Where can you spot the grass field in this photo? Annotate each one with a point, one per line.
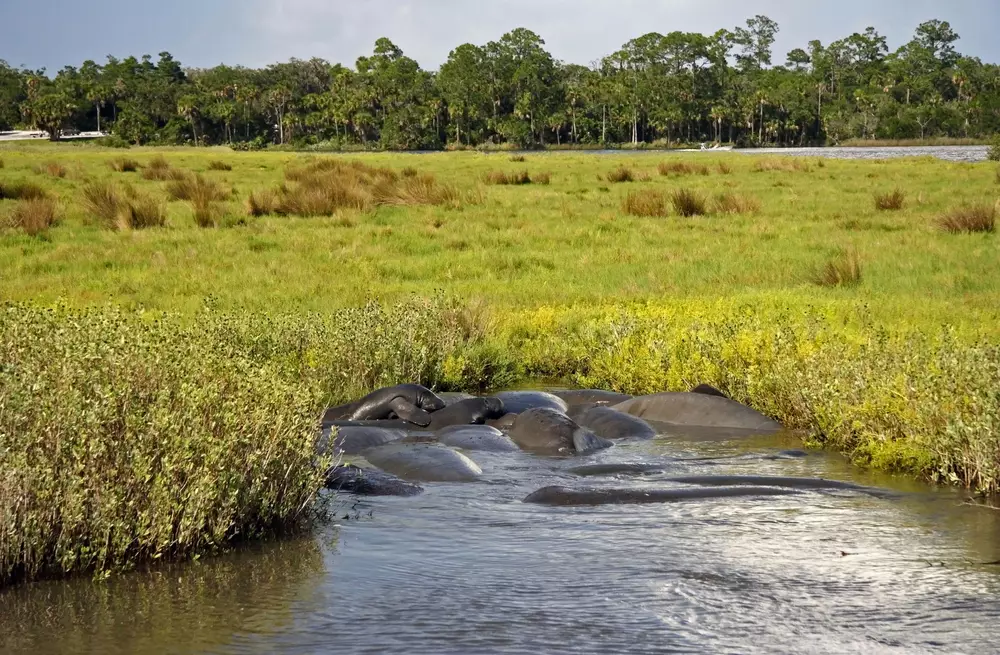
(855, 301)
(519, 245)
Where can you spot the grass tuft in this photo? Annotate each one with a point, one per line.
(677, 168)
(21, 191)
(842, 271)
(724, 168)
(196, 189)
(688, 203)
(262, 202)
(520, 159)
(218, 165)
(892, 201)
(736, 203)
(124, 165)
(969, 219)
(621, 174)
(409, 171)
(647, 202)
(542, 178)
(52, 168)
(502, 178)
(159, 169)
(34, 216)
(122, 209)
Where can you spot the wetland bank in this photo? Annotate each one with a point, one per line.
(864, 328)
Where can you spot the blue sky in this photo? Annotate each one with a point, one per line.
(52, 33)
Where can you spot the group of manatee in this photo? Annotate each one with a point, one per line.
(410, 435)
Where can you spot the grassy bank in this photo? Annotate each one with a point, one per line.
(855, 301)
(127, 437)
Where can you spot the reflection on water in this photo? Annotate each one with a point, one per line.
(470, 568)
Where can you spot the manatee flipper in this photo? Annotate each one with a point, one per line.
(410, 412)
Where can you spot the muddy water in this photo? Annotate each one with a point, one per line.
(469, 568)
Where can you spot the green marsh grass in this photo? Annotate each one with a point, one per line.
(536, 254)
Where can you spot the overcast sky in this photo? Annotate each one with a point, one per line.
(52, 33)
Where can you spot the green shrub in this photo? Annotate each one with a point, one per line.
(112, 141)
(993, 154)
(191, 434)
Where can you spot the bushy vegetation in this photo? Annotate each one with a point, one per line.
(902, 399)
(190, 434)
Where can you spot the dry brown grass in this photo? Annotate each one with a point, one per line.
(219, 165)
(206, 213)
(520, 159)
(323, 186)
(969, 219)
(34, 216)
(542, 178)
(785, 164)
(676, 168)
(21, 191)
(736, 203)
(502, 178)
(688, 203)
(196, 188)
(122, 209)
(409, 171)
(842, 271)
(724, 168)
(621, 174)
(124, 165)
(892, 201)
(52, 168)
(262, 202)
(159, 169)
(647, 202)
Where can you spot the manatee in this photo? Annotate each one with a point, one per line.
(353, 440)
(410, 402)
(591, 397)
(708, 390)
(505, 422)
(368, 482)
(424, 462)
(544, 431)
(695, 409)
(452, 397)
(472, 411)
(611, 424)
(776, 481)
(517, 402)
(565, 496)
(477, 437)
(595, 470)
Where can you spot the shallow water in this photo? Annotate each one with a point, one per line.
(469, 568)
(947, 153)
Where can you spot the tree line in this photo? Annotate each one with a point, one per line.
(657, 89)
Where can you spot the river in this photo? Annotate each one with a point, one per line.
(469, 568)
